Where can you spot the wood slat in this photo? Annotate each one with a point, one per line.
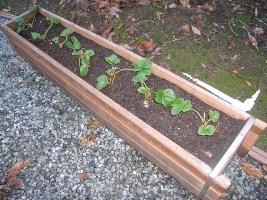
(259, 155)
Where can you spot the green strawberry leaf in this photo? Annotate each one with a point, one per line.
(175, 110)
(66, 32)
(206, 130)
(186, 106)
(78, 53)
(36, 36)
(84, 70)
(159, 96)
(112, 59)
(74, 43)
(55, 40)
(139, 77)
(214, 115)
(53, 20)
(102, 81)
(143, 90)
(88, 54)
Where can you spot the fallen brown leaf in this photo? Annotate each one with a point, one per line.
(209, 7)
(253, 41)
(184, 30)
(82, 176)
(83, 140)
(95, 124)
(158, 15)
(144, 2)
(102, 4)
(185, 3)
(107, 31)
(196, 31)
(92, 28)
(248, 83)
(17, 168)
(258, 31)
(114, 11)
(147, 45)
(92, 137)
(231, 44)
(252, 170)
(14, 182)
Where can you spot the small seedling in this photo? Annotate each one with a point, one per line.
(146, 91)
(143, 69)
(65, 33)
(206, 128)
(104, 80)
(75, 45)
(52, 21)
(21, 26)
(84, 61)
(168, 98)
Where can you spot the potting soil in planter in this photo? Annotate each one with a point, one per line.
(181, 129)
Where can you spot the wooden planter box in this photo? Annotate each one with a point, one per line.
(197, 176)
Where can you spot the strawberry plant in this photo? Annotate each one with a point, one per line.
(75, 45)
(21, 25)
(52, 21)
(65, 34)
(168, 98)
(206, 128)
(143, 69)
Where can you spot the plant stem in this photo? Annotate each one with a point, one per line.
(62, 43)
(202, 118)
(48, 30)
(125, 69)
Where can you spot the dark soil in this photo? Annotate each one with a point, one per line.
(181, 129)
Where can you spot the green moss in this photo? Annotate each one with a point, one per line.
(158, 35)
(120, 30)
(262, 142)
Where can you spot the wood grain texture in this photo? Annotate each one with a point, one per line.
(259, 155)
(189, 170)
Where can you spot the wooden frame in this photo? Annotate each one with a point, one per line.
(189, 170)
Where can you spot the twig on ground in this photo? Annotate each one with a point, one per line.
(261, 21)
(173, 40)
(229, 23)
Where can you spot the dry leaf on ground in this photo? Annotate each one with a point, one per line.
(83, 140)
(253, 41)
(82, 176)
(252, 170)
(196, 31)
(14, 182)
(17, 168)
(144, 2)
(209, 7)
(107, 31)
(184, 30)
(231, 44)
(147, 45)
(185, 3)
(258, 31)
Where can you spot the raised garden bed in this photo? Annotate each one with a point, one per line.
(165, 139)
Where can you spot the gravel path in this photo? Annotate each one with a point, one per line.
(40, 123)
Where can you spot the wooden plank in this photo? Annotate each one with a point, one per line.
(258, 154)
(189, 170)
